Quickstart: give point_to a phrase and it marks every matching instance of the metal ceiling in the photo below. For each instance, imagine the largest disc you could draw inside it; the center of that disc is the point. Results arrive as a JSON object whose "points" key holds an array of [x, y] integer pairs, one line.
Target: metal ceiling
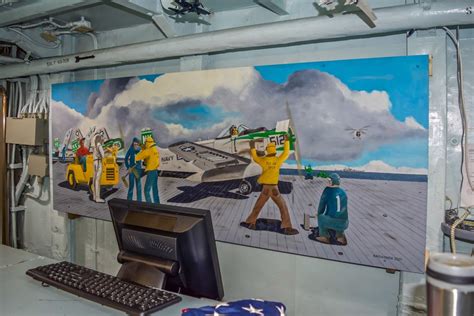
{"points": [[110, 15], [104, 17], [106, 14], [226, 5], [114, 14], [122, 22]]}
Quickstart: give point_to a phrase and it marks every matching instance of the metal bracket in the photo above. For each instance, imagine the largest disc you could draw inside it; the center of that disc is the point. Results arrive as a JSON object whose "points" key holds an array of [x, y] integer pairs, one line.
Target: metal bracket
{"points": [[426, 4]]}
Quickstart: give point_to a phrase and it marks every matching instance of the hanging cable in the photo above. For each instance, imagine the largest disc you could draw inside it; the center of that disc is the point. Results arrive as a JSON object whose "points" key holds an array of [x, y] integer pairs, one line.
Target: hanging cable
{"points": [[22, 34], [24, 107], [42, 97], [462, 110], [50, 21], [36, 98], [27, 107], [20, 92], [43, 102]]}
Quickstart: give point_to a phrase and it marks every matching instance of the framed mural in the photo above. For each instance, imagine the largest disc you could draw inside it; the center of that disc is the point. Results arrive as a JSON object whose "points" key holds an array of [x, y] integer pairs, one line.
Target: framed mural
{"points": [[321, 159]]}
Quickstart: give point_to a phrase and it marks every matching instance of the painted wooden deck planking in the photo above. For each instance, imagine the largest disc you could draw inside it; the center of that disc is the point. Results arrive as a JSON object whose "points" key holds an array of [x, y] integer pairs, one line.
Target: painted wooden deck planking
{"points": [[292, 244], [375, 231], [401, 233]]}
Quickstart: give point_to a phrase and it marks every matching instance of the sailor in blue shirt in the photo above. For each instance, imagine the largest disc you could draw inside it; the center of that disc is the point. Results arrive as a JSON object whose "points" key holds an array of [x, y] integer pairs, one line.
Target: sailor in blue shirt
{"points": [[134, 169], [332, 211]]}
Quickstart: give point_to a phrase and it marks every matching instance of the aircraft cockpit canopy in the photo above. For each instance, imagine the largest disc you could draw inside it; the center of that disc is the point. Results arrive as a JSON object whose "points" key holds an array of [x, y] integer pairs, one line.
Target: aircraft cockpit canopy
{"points": [[228, 130]]}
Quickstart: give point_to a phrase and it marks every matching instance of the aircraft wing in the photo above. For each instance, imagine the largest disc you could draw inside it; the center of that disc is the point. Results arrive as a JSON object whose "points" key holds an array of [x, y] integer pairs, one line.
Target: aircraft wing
{"points": [[202, 11], [183, 3], [207, 158], [177, 11]]}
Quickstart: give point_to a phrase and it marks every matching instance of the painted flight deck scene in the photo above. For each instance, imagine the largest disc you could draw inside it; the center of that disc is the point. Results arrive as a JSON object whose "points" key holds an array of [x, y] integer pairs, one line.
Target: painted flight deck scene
{"points": [[320, 159]]}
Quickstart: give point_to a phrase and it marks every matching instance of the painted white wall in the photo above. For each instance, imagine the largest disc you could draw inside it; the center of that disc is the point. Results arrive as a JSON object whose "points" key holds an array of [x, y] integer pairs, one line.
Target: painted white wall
{"points": [[306, 285]]}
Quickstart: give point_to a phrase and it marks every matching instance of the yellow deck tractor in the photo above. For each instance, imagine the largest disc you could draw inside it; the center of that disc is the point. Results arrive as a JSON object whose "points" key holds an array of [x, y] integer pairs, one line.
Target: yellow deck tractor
{"points": [[75, 174]]}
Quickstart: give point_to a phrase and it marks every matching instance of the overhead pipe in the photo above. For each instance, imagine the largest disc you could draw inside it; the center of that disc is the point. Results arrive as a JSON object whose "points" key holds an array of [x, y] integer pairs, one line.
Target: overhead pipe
{"points": [[10, 60], [390, 20]]}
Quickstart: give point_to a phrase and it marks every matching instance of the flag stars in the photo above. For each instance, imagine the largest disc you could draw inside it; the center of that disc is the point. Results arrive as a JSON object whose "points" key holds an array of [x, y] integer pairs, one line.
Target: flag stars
{"points": [[253, 310]]}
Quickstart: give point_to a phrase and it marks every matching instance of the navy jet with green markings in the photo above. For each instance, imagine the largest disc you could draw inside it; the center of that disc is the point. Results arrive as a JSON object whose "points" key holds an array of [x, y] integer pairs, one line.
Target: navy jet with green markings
{"points": [[225, 158]]}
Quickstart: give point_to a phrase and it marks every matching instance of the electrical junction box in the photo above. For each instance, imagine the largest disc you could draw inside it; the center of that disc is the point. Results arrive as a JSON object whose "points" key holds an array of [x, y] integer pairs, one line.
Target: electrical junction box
{"points": [[26, 131], [38, 165]]}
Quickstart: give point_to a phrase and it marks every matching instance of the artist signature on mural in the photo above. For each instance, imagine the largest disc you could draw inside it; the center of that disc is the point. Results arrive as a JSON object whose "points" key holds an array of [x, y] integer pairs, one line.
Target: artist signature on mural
{"points": [[387, 257]]}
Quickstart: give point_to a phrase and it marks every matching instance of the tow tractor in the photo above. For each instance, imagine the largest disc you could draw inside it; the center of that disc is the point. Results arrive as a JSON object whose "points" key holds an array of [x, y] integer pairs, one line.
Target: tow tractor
{"points": [[76, 175]]}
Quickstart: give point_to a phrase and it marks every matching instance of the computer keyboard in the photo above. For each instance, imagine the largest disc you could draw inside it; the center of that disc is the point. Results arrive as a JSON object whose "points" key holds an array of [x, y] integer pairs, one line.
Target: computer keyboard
{"points": [[129, 297]]}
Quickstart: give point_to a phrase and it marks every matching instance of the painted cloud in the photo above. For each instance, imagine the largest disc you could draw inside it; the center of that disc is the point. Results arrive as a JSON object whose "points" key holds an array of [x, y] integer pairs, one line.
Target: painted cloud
{"points": [[199, 105]]}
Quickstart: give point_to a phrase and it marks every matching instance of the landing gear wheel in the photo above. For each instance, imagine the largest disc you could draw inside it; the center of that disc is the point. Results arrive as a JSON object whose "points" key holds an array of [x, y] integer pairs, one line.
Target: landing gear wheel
{"points": [[71, 180], [245, 187]]}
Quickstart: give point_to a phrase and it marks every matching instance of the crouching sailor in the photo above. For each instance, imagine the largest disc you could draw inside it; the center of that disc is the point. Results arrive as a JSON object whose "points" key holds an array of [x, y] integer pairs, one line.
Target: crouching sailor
{"points": [[332, 212]]}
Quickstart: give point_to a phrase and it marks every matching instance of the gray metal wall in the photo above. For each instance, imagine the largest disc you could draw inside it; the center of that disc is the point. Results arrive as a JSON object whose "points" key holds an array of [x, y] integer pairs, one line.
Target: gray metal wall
{"points": [[307, 286]]}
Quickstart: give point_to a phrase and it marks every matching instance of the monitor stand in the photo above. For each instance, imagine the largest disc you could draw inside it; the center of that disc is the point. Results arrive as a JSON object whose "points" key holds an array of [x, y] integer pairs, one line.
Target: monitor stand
{"points": [[143, 274], [145, 270]]}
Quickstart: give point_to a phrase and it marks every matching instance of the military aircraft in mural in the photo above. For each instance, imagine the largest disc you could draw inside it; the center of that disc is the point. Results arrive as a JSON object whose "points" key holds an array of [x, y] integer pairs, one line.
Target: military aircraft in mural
{"points": [[182, 7], [357, 132], [72, 137], [225, 158]]}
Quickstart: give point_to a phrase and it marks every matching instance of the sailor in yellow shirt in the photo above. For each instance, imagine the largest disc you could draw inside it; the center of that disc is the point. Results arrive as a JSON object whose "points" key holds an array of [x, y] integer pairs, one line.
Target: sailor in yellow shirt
{"points": [[270, 164], [151, 158]]}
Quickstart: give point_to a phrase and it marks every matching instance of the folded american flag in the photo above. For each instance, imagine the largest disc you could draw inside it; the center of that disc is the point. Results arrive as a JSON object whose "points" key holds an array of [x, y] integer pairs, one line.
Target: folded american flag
{"points": [[252, 307]]}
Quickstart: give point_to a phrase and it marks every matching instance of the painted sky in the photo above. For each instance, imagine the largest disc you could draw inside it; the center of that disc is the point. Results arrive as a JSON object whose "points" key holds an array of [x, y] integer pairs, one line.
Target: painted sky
{"points": [[76, 94], [404, 79], [388, 94], [406, 82]]}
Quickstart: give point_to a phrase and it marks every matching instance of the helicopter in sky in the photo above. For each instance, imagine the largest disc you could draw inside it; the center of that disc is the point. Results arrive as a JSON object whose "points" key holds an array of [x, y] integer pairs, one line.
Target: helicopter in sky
{"points": [[182, 7], [358, 132]]}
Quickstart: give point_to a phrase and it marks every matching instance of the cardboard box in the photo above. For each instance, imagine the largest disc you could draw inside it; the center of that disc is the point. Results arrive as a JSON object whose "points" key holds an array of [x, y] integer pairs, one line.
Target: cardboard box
{"points": [[26, 131], [38, 165]]}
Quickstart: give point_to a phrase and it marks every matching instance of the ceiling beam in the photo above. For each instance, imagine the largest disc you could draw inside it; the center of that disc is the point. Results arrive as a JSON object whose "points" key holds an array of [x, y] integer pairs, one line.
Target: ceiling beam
{"points": [[276, 6], [164, 25], [40, 9], [147, 9]]}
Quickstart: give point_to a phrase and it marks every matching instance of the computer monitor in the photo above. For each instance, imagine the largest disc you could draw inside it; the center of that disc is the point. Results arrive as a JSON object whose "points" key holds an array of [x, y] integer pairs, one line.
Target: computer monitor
{"points": [[167, 246]]}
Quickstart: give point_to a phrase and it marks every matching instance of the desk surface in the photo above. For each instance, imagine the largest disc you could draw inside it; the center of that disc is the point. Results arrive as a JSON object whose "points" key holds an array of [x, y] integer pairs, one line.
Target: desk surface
{"points": [[22, 295]]}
